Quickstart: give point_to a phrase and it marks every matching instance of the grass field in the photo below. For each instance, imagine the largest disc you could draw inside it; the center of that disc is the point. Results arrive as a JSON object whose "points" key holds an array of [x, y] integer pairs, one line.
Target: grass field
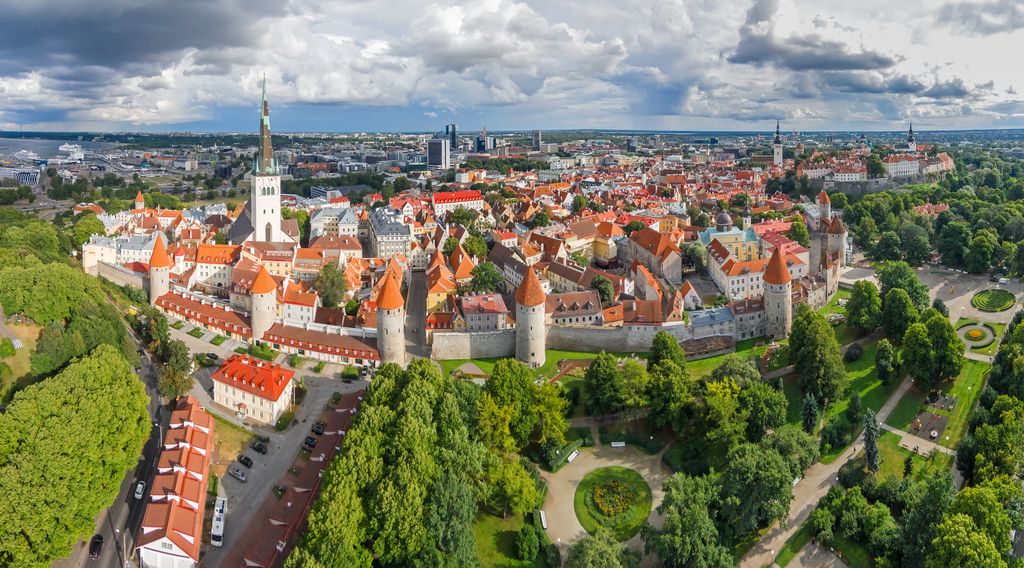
{"points": [[21, 362], [993, 300], [965, 388], [496, 541], [892, 456], [844, 334], [230, 440], [854, 554], [624, 524], [794, 545]]}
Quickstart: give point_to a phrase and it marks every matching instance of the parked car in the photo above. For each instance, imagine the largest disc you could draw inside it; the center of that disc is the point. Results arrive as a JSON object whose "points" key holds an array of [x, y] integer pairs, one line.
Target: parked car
{"points": [[238, 473], [318, 428], [213, 356], [140, 490], [259, 447], [310, 442], [245, 460], [95, 547], [364, 372]]}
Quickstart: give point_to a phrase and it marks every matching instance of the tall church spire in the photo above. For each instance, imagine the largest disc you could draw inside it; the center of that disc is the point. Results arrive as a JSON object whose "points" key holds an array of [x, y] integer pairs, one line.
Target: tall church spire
{"points": [[910, 134], [778, 134], [265, 158]]}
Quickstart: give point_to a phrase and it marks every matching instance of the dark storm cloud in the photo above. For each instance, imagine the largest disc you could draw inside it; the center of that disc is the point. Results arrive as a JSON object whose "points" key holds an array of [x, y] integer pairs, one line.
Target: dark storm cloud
{"points": [[759, 45], [121, 35], [872, 83], [983, 18]]}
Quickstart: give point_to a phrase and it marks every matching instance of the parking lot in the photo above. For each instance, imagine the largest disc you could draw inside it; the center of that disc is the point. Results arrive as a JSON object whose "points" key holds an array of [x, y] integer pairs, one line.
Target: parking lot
{"points": [[244, 499]]}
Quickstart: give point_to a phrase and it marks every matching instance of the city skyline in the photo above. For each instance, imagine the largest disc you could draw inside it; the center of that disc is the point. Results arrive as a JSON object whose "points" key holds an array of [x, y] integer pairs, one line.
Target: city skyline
{"points": [[511, 65]]}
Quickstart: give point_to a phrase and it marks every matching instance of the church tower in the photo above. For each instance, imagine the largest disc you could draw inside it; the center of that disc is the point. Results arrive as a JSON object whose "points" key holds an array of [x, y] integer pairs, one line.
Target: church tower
{"points": [[911, 142], [391, 322], [159, 270], [264, 304], [778, 297], [531, 333], [265, 192], [777, 146], [825, 208]]}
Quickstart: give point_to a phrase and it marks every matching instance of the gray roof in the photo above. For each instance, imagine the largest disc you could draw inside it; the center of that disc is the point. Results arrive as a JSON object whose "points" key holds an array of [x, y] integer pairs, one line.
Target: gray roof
{"points": [[711, 316]]}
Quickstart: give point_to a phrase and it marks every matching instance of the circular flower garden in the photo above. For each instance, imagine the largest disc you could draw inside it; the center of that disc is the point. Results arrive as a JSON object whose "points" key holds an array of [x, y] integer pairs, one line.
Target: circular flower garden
{"points": [[615, 498], [993, 300]]}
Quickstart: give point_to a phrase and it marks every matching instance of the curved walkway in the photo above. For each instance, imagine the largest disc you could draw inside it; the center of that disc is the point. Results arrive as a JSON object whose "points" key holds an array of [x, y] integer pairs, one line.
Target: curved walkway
{"points": [[564, 528]]}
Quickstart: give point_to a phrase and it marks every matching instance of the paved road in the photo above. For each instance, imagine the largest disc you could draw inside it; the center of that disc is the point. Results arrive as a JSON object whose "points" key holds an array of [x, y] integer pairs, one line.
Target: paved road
{"points": [[563, 527], [818, 479], [415, 317], [119, 523]]}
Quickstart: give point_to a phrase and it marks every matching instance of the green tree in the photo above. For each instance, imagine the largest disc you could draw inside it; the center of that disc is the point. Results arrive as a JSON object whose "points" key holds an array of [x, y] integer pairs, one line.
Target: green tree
{"points": [[809, 414], [527, 543], [86, 226], [917, 356], [978, 257], [914, 244], [173, 384], [579, 203], [893, 275], [600, 550], [100, 400], [511, 487], [475, 246], [603, 385], [670, 392], [450, 244], [633, 226], [983, 506], [887, 247], [451, 511], [756, 488], [940, 306], [330, 283], [814, 353], [898, 313], [864, 309], [798, 232], [493, 425], [605, 289], [765, 408], [952, 243], [925, 506], [539, 219], [887, 361], [665, 347], [511, 386], [960, 543], [871, 441], [176, 357], [947, 349], [486, 278], [688, 535]]}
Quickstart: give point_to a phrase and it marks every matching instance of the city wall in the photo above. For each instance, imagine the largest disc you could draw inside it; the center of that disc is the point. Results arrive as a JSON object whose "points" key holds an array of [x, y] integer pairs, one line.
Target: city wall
{"points": [[121, 277], [453, 345]]}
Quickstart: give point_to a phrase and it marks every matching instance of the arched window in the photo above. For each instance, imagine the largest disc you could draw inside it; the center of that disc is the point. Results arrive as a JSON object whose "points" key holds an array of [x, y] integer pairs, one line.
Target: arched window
{"points": [[269, 233]]}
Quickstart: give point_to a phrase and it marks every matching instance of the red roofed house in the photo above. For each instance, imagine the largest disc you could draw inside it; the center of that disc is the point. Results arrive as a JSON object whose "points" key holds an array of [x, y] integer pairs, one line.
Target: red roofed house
{"points": [[172, 526], [253, 388], [444, 202]]}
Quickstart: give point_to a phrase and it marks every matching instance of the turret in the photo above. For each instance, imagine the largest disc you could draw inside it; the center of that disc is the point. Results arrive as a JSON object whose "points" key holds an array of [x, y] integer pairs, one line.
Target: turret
{"points": [[836, 238], [140, 202], [391, 322], [778, 296], [159, 270], [825, 206], [264, 304], [531, 332]]}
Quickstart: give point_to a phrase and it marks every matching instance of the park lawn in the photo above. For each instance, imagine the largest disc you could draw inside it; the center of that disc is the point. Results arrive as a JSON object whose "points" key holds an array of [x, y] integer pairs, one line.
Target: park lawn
{"points": [[794, 398], [997, 330], [966, 388], [703, 367], [746, 543], [568, 384], [853, 554], [21, 362], [548, 369], [230, 440], [626, 523], [218, 340], [794, 545], [496, 541], [833, 307], [906, 409], [892, 456], [962, 322]]}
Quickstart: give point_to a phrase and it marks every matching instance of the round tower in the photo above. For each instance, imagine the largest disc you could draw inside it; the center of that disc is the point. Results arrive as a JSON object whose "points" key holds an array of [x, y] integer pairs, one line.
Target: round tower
{"points": [[159, 271], [264, 304], [531, 332], [391, 322], [825, 206], [778, 297], [836, 238]]}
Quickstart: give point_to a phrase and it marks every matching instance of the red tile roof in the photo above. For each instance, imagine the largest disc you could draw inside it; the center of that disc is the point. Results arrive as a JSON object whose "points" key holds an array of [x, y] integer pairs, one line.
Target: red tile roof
{"points": [[254, 376]]}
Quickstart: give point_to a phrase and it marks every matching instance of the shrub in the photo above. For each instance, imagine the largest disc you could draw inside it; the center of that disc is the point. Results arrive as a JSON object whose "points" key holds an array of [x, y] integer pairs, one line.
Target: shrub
{"points": [[527, 543], [284, 421], [319, 367], [6, 347], [837, 433], [853, 352]]}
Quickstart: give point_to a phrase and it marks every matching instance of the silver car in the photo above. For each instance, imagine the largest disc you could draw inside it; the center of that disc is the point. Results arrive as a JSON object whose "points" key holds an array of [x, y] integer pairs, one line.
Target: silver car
{"points": [[238, 473]]}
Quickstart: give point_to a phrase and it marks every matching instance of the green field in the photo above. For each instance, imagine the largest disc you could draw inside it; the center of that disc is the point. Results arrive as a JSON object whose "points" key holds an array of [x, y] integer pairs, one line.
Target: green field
{"points": [[965, 388], [794, 545], [892, 456], [993, 300], [623, 524], [854, 554], [496, 541]]}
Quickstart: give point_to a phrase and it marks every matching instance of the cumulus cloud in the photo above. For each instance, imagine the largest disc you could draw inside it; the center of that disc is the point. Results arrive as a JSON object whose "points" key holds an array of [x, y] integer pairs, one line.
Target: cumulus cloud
{"points": [[982, 18]]}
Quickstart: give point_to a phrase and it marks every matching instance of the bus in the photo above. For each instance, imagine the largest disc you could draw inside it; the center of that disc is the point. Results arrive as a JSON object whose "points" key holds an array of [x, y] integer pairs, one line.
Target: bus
{"points": [[220, 509]]}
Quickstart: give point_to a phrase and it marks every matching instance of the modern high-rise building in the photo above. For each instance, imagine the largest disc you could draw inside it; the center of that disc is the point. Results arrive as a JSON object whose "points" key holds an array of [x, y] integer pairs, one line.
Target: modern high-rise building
{"points": [[537, 140], [452, 134], [439, 153]]}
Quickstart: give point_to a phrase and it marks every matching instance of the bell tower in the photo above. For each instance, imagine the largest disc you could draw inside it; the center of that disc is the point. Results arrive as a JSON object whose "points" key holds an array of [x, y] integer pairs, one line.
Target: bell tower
{"points": [[265, 184]]}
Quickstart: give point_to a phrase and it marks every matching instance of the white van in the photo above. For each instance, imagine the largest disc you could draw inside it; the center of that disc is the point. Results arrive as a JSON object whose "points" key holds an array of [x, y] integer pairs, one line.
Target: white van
{"points": [[220, 509]]}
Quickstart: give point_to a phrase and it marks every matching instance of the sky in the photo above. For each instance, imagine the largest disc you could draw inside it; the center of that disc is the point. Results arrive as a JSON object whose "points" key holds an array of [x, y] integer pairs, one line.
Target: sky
{"points": [[415, 65]]}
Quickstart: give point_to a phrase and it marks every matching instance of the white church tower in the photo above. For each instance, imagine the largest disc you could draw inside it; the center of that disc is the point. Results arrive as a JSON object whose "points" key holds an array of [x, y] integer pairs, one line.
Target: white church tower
{"points": [[777, 146], [265, 193]]}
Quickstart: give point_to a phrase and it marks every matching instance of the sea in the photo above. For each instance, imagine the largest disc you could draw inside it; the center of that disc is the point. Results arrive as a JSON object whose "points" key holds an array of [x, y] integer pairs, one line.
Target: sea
{"points": [[48, 148]]}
